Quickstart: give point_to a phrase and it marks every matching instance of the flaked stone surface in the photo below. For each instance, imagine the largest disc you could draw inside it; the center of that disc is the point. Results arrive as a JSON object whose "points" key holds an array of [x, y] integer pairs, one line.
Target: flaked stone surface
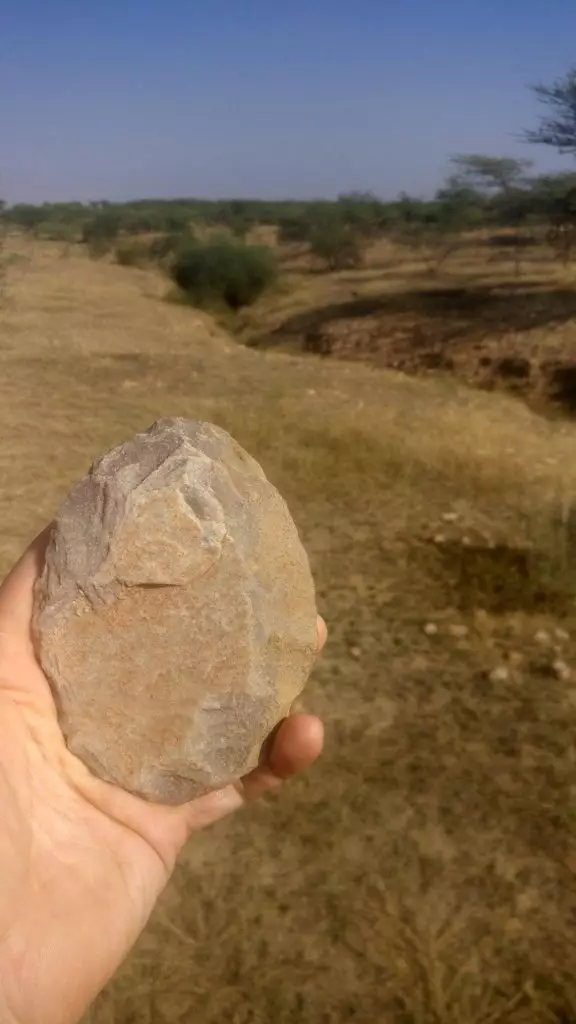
{"points": [[175, 616]]}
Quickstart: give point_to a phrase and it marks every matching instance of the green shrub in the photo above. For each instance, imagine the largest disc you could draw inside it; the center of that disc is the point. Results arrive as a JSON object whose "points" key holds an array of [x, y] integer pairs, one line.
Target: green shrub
{"points": [[224, 273], [170, 244], [295, 229], [239, 226], [337, 245], [55, 231], [132, 254], [104, 227]]}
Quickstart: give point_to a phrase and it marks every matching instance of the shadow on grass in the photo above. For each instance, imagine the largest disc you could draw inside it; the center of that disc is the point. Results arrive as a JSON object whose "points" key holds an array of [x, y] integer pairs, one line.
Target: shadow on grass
{"points": [[502, 578], [472, 310]]}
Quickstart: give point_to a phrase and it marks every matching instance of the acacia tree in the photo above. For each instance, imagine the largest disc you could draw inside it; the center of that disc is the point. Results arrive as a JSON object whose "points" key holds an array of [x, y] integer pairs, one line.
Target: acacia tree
{"points": [[498, 192], [487, 174], [557, 126]]}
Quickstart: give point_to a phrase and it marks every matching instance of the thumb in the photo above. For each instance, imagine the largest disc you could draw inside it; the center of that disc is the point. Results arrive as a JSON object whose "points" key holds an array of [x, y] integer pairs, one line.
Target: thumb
{"points": [[17, 590]]}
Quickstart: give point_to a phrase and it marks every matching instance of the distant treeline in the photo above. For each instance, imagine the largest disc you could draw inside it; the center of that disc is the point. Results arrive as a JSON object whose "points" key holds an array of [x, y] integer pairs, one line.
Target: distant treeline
{"points": [[482, 191], [479, 191]]}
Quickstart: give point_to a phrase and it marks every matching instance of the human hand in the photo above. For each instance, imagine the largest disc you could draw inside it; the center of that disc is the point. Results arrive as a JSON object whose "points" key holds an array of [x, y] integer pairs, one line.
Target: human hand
{"points": [[82, 862]]}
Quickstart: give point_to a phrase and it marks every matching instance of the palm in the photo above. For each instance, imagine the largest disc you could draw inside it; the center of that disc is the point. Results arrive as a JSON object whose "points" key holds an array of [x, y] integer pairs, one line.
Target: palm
{"points": [[82, 862]]}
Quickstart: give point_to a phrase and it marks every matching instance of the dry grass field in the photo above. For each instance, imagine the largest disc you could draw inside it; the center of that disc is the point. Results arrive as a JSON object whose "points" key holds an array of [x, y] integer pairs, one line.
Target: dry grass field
{"points": [[424, 872]]}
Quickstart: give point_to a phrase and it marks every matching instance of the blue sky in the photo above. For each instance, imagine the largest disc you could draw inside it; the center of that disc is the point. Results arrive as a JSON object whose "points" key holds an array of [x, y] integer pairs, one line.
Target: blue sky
{"points": [[129, 98]]}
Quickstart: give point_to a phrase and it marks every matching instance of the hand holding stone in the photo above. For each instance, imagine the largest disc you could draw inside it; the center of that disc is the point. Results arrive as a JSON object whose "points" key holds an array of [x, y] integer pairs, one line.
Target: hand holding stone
{"points": [[175, 617]]}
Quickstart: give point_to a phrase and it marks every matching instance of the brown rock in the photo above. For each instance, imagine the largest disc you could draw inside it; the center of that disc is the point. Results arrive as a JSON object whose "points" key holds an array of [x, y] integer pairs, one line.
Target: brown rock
{"points": [[175, 616]]}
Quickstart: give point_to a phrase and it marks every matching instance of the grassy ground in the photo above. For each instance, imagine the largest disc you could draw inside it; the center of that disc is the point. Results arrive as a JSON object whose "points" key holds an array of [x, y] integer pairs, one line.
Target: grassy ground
{"points": [[423, 872]]}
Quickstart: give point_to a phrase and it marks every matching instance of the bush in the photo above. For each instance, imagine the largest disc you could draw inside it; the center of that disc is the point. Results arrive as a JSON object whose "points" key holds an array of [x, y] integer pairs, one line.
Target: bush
{"points": [[132, 254], [55, 231], [224, 273], [338, 245], [295, 229], [239, 226], [138, 253], [170, 245], [105, 227], [363, 212]]}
